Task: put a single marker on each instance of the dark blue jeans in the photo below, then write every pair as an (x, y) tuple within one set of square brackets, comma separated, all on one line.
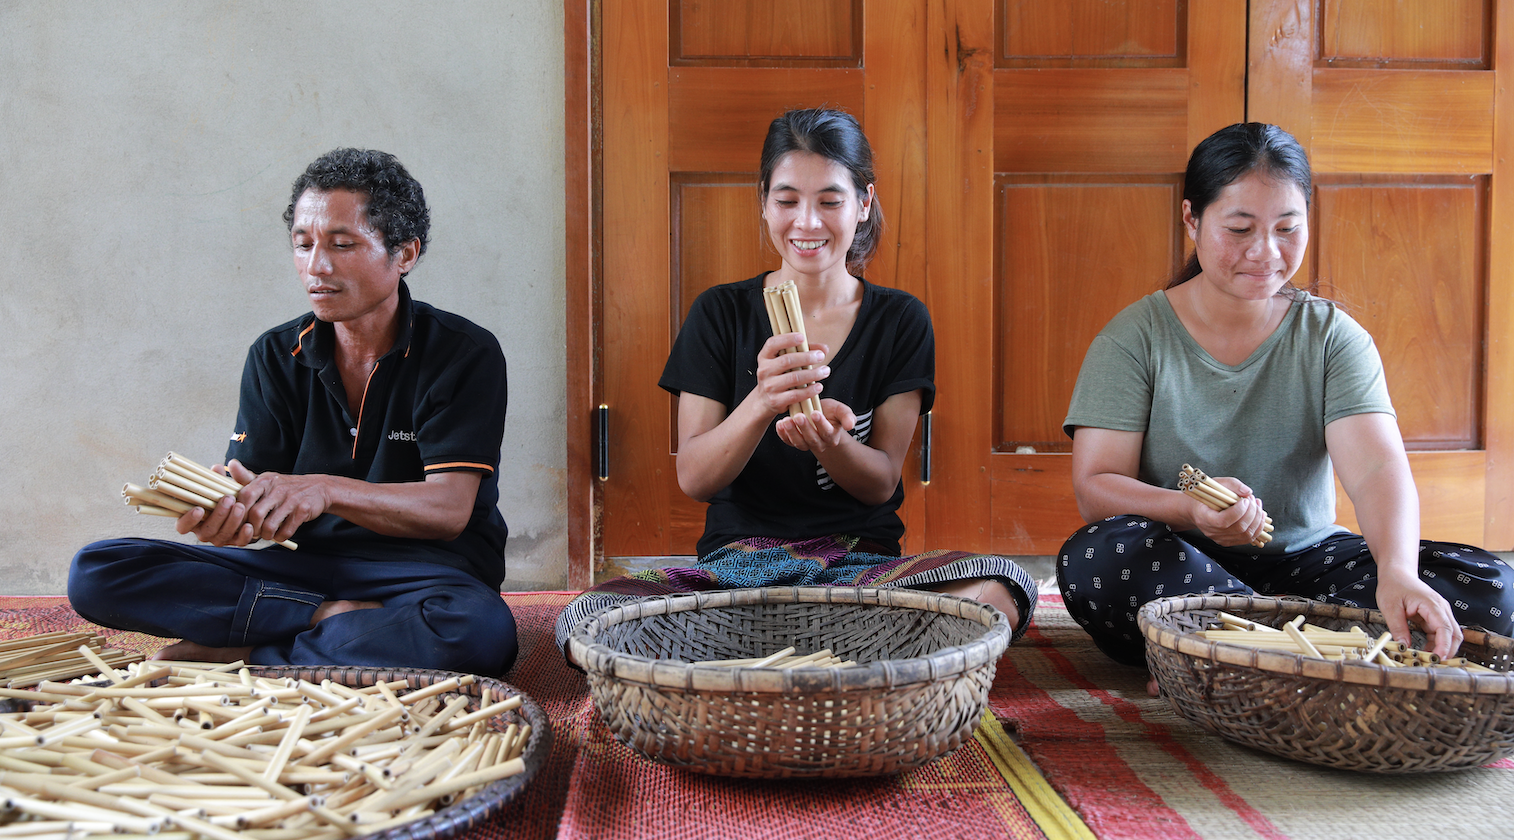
[(433, 616)]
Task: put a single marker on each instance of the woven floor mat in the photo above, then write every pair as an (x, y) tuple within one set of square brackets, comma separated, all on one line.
[(594, 787), (1133, 769)]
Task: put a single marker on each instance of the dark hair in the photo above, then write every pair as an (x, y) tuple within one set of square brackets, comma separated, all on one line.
[(834, 135), (396, 204), (1230, 153)]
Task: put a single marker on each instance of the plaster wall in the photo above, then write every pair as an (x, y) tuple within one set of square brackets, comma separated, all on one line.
[(146, 154)]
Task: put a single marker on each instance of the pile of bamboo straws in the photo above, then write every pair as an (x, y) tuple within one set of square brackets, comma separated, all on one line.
[(57, 656), (1321, 643), (179, 484), (1193, 482), (214, 752), (785, 316), (783, 660)]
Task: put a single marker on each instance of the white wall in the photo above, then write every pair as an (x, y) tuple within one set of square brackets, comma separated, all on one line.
[(146, 153)]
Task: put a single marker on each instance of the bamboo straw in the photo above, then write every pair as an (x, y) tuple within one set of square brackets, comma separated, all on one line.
[(209, 474), (442, 687), (1244, 623), (492, 710), (23, 656), (136, 494), (1302, 642), (1195, 484), (786, 316), (179, 484), (769, 660), (286, 744), (790, 296), (783, 659), (105, 669), (36, 659), (1319, 642)]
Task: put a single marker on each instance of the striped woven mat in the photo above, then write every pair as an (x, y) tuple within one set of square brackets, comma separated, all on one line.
[(594, 787), (1133, 769)]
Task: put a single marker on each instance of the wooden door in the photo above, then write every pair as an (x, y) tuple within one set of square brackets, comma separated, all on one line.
[(1405, 108), (688, 90), (1030, 159)]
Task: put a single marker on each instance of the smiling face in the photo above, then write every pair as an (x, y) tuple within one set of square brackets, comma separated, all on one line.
[(1251, 238), (347, 272), (812, 211)]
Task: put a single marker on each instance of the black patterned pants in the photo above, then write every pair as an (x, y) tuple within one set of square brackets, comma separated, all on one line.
[(1108, 569)]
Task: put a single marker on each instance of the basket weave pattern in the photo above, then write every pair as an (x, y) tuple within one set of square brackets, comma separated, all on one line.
[(926, 663), (1352, 715)]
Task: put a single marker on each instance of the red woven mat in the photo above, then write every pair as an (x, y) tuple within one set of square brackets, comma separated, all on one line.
[(594, 787), (1132, 768)]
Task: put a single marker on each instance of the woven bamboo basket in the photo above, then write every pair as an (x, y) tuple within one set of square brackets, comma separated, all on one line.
[(463, 815), (1352, 715), (925, 663)]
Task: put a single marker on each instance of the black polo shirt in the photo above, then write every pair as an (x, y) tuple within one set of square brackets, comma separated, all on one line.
[(433, 403)]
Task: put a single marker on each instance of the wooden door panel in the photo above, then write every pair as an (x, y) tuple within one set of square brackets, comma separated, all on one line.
[(721, 114), (1033, 501), (1080, 120), (717, 235), (1091, 32), (1393, 33), (756, 32), (1071, 256), (1402, 121), (1402, 258)]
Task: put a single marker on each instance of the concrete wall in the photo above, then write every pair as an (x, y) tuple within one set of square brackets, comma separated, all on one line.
[(146, 153)]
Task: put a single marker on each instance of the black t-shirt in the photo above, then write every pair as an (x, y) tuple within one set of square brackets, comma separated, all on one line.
[(434, 403), (784, 492)]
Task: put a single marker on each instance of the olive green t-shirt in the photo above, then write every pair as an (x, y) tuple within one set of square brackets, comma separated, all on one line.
[(1261, 421)]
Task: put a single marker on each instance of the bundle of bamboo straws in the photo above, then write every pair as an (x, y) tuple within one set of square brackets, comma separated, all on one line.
[(179, 484), (785, 316), (57, 656), (1321, 643), (783, 660), (214, 752), (1193, 482)]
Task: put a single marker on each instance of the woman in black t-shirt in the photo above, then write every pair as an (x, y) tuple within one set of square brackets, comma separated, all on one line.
[(810, 498)]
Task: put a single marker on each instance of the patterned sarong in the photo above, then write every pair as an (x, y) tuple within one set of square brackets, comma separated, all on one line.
[(822, 561)]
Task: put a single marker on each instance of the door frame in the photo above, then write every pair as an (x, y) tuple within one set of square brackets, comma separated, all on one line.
[(583, 275)]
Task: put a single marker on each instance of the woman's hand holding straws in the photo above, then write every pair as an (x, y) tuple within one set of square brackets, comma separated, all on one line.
[(1193, 482)]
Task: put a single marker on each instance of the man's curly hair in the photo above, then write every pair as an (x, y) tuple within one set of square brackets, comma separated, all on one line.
[(396, 204)]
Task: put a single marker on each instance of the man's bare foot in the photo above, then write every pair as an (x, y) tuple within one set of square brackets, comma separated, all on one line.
[(1152, 688), (191, 652), (328, 609)]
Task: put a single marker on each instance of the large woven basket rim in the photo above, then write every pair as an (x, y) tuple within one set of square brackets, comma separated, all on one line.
[(944, 664), (1153, 620), (464, 814)]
